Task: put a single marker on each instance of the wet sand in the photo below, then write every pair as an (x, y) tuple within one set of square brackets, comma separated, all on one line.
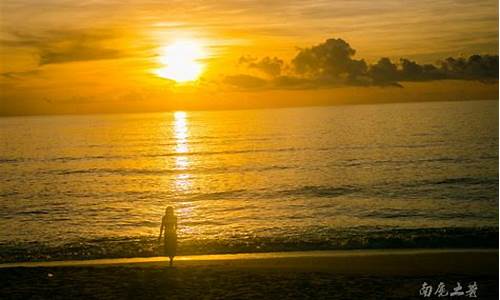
[(357, 274)]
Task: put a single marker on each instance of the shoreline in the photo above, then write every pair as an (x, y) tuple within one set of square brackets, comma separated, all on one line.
[(342, 274), (447, 258)]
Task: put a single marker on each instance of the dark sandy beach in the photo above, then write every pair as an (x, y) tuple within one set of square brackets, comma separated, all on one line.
[(367, 274)]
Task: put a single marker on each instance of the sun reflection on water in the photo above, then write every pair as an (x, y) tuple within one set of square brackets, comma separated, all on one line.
[(181, 162), (181, 134)]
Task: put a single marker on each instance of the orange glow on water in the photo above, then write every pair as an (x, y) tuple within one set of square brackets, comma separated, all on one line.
[(181, 135)]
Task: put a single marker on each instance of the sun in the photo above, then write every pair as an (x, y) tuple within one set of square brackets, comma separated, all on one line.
[(181, 61)]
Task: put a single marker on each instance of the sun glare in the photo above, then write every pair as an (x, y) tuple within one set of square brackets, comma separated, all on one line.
[(181, 61)]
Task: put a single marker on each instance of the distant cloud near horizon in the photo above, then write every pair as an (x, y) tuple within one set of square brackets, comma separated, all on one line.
[(332, 63), (271, 66)]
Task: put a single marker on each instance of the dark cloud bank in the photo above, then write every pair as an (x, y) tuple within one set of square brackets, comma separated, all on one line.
[(332, 63), (63, 46)]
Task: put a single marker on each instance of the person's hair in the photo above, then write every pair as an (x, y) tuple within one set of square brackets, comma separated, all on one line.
[(169, 211)]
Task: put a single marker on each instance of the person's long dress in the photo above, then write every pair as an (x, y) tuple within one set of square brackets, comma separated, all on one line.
[(170, 237)]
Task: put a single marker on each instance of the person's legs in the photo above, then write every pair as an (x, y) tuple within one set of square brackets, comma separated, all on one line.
[(171, 260)]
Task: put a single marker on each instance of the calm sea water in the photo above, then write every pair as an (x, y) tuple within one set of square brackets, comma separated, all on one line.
[(366, 176)]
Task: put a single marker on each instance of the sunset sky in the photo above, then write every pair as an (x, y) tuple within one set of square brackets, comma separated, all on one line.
[(67, 56)]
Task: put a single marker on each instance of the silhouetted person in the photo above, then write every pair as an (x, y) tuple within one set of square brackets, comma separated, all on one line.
[(169, 228)]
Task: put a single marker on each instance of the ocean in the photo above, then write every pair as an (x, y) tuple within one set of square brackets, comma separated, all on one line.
[(405, 175)]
